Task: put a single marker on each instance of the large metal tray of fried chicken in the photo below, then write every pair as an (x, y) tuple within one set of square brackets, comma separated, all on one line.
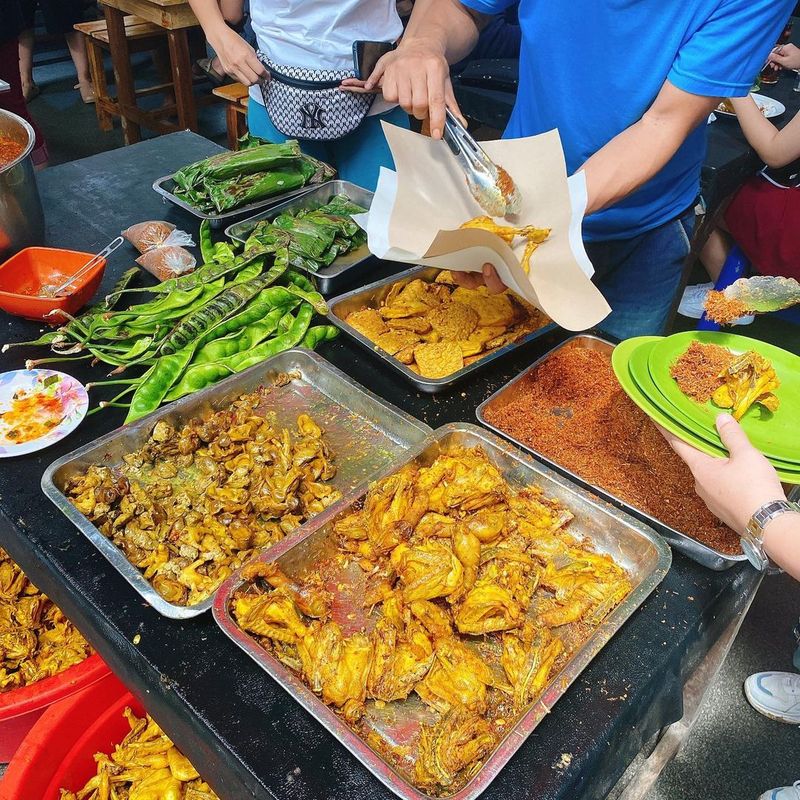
[(694, 549), (372, 296), (364, 432), (633, 545)]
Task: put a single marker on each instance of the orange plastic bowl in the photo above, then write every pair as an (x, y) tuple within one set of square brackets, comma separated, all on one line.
[(24, 274)]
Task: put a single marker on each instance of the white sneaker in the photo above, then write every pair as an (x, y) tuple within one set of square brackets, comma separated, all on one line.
[(693, 303), (775, 695), (784, 793)]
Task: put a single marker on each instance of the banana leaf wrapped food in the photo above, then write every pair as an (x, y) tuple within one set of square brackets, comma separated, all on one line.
[(228, 180), (314, 238)]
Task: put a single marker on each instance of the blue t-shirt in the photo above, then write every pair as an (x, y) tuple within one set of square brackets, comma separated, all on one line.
[(591, 68)]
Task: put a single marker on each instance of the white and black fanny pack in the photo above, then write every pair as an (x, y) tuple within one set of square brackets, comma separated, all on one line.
[(308, 103)]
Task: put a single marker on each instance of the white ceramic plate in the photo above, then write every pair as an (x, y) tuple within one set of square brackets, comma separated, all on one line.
[(38, 407), (771, 108)]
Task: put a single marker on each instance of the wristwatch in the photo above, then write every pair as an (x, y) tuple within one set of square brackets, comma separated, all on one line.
[(753, 536)]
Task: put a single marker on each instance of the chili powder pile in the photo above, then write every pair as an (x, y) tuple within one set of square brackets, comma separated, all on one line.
[(698, 369), (572, 410), (10, 150)]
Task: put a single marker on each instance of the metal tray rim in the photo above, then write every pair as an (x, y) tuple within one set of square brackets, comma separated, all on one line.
[(558, 683), (115, 556), (684, 543), (430, 385), (220, 219)]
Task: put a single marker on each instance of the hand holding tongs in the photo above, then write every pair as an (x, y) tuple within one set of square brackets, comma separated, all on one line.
[(55, 291), (489, 184)]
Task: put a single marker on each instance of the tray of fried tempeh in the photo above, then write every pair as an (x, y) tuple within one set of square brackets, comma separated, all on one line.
[(431, 623), (180, 499), (433, 332)]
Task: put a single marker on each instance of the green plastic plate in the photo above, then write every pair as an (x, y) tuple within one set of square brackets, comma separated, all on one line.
[(776, 435)]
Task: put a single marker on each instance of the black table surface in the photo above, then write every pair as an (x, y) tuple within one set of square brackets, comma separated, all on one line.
[(243, 732)]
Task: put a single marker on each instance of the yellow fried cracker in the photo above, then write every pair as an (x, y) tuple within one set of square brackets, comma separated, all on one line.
[(493, 309), (445, 276), (394, 341), (416, 324), (439, 359), (453, 321), (367, 322), (406, 355)]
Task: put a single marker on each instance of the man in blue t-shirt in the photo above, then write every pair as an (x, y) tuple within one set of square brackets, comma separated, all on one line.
[(629, 85)]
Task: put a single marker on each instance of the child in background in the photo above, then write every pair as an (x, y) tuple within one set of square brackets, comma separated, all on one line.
[(763, 217)]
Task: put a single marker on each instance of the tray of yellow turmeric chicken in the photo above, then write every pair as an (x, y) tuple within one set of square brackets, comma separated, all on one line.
[(180, 499), (431, 623), (433, 332)]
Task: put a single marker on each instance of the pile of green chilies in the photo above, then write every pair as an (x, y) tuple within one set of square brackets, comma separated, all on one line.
[(259, 170), (315, 238), (224, 317)]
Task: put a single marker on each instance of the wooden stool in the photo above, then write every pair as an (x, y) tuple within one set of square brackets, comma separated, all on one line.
[(236, 97), (142, 36)]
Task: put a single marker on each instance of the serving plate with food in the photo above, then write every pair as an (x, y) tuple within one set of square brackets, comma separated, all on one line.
[(769, 108), (431, 623), (178, 500), (328, 243), (433, 332), (570, 410)]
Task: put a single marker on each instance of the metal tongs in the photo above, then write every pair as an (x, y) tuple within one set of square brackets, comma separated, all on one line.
[(488, 183), (54, 291)]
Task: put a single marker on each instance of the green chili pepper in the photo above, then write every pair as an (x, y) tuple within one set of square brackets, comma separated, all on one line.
[(157, 382), (206, 243)]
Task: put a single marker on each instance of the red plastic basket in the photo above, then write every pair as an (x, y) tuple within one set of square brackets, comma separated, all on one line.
[(58, 752), (21, 708)]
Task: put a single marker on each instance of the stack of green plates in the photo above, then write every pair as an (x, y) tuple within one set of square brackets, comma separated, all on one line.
[(642, 366)]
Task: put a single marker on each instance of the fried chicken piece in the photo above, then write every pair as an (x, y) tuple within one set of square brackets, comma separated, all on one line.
[(433, 618), (487, 524), (313, 601), (748, 380), (528, 660), (488, 607), (458, 678), (337, 667), (438, 359), (398, 663), (456, 743), (367, 322), (427, 570), (467, 548), (273, 615), (467, 482)]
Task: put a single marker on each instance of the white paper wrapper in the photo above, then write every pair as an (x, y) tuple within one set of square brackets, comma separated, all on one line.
[(417, 211)]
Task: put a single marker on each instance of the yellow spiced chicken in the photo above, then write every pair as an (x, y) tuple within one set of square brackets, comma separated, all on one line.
[(36, 640), (146, 765), (468, 592)]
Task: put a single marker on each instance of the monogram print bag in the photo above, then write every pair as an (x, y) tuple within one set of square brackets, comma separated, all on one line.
[(308, 103)]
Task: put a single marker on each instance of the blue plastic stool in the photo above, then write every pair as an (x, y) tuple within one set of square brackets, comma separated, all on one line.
[(735, 267)]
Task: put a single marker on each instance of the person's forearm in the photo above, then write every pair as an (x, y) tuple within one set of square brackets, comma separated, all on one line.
[(213, 15), (445, 25), (775, 148), (634, 156), (782, 543)]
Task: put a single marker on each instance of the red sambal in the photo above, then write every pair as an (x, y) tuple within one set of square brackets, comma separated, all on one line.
[(10, 150)]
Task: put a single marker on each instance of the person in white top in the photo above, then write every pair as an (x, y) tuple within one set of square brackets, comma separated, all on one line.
[(311, 40)]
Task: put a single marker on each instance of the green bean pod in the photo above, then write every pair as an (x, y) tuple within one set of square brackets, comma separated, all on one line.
[(300, 280), (231, 300), (319, 334), (157, 382), (206, 242), (239, 341), (315, 299)]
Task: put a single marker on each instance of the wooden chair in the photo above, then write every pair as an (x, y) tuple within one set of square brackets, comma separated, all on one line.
[(142, 36), (236, 97)]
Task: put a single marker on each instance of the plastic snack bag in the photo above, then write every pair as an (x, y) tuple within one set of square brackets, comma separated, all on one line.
[(167, 262)]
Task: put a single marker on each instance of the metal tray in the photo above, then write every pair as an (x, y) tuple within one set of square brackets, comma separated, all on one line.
[(372, 296), (344, 269), (165, 186), (697, 551), (645, 555), (364, 432)]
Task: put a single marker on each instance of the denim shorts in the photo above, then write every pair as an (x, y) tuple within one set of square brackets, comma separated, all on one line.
[(640, 277)]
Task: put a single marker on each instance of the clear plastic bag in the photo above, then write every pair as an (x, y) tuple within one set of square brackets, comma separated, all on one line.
[(145, 236), (167, 262)]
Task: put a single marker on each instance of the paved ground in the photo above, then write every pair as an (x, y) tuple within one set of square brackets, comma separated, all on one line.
[(734, 753)]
